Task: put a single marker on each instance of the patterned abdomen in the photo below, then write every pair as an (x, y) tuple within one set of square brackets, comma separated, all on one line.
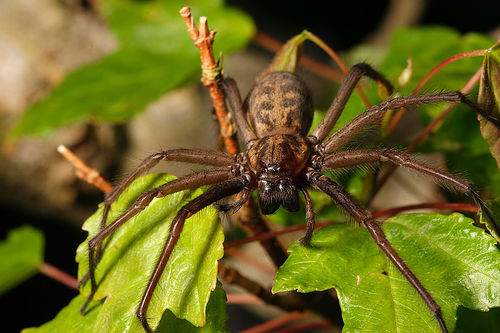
[(280, 103)]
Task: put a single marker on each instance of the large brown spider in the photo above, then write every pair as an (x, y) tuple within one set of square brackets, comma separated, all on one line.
[(280, 161)]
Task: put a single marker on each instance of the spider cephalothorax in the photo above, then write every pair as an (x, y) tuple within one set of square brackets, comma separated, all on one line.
[(282, 160)]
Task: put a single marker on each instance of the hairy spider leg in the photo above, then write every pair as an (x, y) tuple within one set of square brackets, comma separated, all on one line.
[(310, 218), (354, 157), (205, 177), (343, 199), (182, 155), (213, 194), (347, 132), (346, 88)]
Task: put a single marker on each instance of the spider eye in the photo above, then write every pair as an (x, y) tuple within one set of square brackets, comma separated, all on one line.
[(272, 194)]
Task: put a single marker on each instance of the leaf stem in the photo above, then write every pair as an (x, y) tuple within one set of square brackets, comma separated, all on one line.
[(58, 275), (276, 322)]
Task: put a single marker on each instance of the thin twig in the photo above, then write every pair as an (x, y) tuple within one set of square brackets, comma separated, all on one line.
[(84, 172), (211, 75), (276, 322), (58, 275), (243, 299)]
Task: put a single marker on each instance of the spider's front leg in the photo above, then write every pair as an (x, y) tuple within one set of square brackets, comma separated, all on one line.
[(363, 217), (346, 88), (213, 194), (193, 181)]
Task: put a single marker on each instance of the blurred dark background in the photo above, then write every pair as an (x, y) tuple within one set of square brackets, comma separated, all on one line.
[(342, 24)]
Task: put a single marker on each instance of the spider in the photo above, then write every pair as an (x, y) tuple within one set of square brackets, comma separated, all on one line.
[(281, 160)]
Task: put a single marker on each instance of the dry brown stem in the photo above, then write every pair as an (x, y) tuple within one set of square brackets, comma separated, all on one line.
[(211, 75), (84, 172)]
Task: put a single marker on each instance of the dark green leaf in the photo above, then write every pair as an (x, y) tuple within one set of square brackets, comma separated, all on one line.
[(455, 261), (470, 321), (20, 256), (489, 99), (131, 253), (156, 55)]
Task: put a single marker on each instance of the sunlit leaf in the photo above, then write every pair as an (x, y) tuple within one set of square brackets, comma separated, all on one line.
[(20, 256), (131, 253), (455, 261), (69, 319)]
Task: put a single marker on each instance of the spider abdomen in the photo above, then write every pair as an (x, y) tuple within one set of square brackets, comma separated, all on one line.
[(280, 103)]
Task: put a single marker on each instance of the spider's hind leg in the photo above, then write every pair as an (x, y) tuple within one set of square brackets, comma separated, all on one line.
[(311, 220), (212, 195), (364, 218)]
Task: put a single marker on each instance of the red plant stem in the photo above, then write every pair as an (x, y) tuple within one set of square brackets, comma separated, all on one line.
[(276, 322), (243, 299), (440, 205), (397, 117), (444, 63), (58, 275), (381, 213)]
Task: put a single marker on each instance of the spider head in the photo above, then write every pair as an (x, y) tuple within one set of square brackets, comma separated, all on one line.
[(275, 192), (278, 161)]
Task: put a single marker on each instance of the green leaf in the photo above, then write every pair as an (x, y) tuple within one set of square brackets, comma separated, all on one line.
[(69, 319), (455, 261), (216, 317), (132, 251), (20, 256), (156, 55)]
